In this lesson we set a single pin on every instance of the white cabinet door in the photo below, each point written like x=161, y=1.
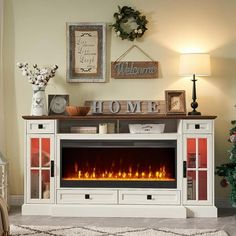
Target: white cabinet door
x=198, y=169
x=40, y=168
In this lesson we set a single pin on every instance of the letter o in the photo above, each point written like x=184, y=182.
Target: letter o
x=114, y=106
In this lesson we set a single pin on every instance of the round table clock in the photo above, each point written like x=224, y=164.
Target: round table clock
x=57, y=104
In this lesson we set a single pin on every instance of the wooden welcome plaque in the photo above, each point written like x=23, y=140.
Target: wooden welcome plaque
x=134, y=69
x=128, y=107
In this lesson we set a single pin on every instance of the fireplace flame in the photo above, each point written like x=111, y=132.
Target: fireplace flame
x=160, y=174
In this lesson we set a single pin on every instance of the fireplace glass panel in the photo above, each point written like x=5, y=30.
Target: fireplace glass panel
x=118, y=164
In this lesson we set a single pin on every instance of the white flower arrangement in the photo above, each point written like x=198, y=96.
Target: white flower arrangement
x=118, y=33
x=140, y=31
x=37, y=76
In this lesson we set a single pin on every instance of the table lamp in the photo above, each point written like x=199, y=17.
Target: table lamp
x=194, y=64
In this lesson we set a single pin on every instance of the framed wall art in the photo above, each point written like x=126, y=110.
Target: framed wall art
x=175, y=102
x=86, y=52
x=57, y=104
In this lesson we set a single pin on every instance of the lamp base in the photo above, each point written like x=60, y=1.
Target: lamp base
x=194, y=113
x=194, y=104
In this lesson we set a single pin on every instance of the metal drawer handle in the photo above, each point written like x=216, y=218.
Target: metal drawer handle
x=149, y=197
x=52, y=168
x=184, y=169
x=197, y=126
x=87, y=196
x=40, y=126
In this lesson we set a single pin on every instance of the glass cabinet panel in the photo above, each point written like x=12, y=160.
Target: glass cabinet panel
x=45, y=184
x=45, y=152
x=34, y=184
x=202, y=185
x=191, y=185
x=191, y=153
x=197, y=169
x=34, y=154
x=202, y=153
x=40, y=168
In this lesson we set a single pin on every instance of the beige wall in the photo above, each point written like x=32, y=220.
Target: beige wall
x=2, y=130
x=35, y=32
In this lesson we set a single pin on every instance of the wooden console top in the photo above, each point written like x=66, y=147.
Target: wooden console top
x=121, y=117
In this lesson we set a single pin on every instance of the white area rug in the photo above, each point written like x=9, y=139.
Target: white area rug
x=24, y=230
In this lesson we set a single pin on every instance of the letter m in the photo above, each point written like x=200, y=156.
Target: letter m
x=133, y=107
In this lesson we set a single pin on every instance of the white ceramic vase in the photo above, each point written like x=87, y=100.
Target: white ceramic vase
x=39, y=103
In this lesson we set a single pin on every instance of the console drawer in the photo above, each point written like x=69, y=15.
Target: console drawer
x=87, y=196
x=154, y=197
x=197, y=126
x=40, y=126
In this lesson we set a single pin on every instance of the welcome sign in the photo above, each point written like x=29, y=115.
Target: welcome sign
x=134, y=69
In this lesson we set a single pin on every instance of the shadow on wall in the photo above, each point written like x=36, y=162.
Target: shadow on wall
x=13, y=145
x=223, y=105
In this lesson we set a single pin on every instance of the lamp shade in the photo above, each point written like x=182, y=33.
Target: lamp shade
x=195, y=63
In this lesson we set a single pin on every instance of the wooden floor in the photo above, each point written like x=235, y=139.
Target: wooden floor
x=226, y=221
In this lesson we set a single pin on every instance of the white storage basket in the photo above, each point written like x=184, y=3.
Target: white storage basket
x=146, y=128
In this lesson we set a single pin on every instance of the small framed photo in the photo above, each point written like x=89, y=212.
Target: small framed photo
x=175, y=102
x=86, y=52
x=57, y=104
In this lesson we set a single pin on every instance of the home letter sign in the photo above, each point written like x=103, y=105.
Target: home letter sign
x=126, y=107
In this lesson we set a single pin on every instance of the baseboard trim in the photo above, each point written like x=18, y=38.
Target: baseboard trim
x=16, y=200
x=93, y=210
x=223, y=203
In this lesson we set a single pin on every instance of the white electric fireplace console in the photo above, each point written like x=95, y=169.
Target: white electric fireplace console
x=119, y=174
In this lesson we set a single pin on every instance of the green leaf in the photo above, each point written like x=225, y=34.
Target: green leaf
x=127, y=13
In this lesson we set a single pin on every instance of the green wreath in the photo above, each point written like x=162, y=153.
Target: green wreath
x=130, y=24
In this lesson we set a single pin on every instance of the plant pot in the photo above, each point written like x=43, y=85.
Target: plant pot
x=39, y=103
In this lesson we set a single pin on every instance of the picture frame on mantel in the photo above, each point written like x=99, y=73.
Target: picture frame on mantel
x=175, y=102
x=86, y=52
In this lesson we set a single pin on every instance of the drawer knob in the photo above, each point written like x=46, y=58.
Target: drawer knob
x=40, y=126
x=87, y=196
x=149, y=197
x=197, y=126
